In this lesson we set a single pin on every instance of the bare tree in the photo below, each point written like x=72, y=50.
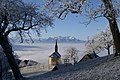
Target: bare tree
x=22, y=19
x=109, y=9
x=72, y=53
x=92, y=45
x=100, y=41
x=106, y=40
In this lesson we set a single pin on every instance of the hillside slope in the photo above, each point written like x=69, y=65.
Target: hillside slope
x=105, y=68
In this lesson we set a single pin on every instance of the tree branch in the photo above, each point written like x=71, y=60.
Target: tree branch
x=4, y=26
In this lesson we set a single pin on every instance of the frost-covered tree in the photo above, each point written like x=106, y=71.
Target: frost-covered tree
x=109, y=9
x=92, y=45
x=72, y=54
x=19, y=18
x=106, y=40
x=100, y=41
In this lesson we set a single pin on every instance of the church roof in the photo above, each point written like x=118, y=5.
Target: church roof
x=55, y=55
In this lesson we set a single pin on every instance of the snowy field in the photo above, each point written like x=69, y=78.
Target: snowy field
x=103, y=68
x=96, y=69
x=40, y=51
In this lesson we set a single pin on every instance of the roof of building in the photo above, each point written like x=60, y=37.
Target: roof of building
x=56, y=53
x=89, y=56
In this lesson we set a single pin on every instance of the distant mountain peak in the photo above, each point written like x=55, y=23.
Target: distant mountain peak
x=60, y=39
x=66, y=39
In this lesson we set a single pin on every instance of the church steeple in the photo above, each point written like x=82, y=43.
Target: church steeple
x=56, y=47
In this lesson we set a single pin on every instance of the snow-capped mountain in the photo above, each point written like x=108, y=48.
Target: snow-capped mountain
x=66, y=39
x=60, y=39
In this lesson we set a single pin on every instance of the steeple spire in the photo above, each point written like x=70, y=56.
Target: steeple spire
x=56, y=47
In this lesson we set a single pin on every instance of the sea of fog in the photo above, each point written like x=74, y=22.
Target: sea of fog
x=40, y=51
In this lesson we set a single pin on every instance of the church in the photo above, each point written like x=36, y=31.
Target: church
x=55, y=58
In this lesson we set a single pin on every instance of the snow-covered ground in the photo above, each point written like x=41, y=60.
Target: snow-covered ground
x=40, y=51
x=105, y=68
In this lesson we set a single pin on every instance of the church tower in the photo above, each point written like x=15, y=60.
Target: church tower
x=56, y=47
x=55, y=57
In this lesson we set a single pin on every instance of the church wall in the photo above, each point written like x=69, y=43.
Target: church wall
x=53, y=61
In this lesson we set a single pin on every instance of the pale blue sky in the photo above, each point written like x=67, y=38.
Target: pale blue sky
x=71, y=26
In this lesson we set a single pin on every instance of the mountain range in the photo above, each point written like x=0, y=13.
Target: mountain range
x=60, y=39
x=66, y=39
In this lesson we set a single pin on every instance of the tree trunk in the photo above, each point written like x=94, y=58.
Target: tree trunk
x=108, y=49
x=94, y=52
x=111, y=17
x=7, y=49
x=115, y=34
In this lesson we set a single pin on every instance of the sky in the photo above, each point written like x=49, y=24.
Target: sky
x=72, y=26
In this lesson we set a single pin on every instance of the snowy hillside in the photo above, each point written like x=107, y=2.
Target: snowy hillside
x=105, y=68
x=90, y=70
